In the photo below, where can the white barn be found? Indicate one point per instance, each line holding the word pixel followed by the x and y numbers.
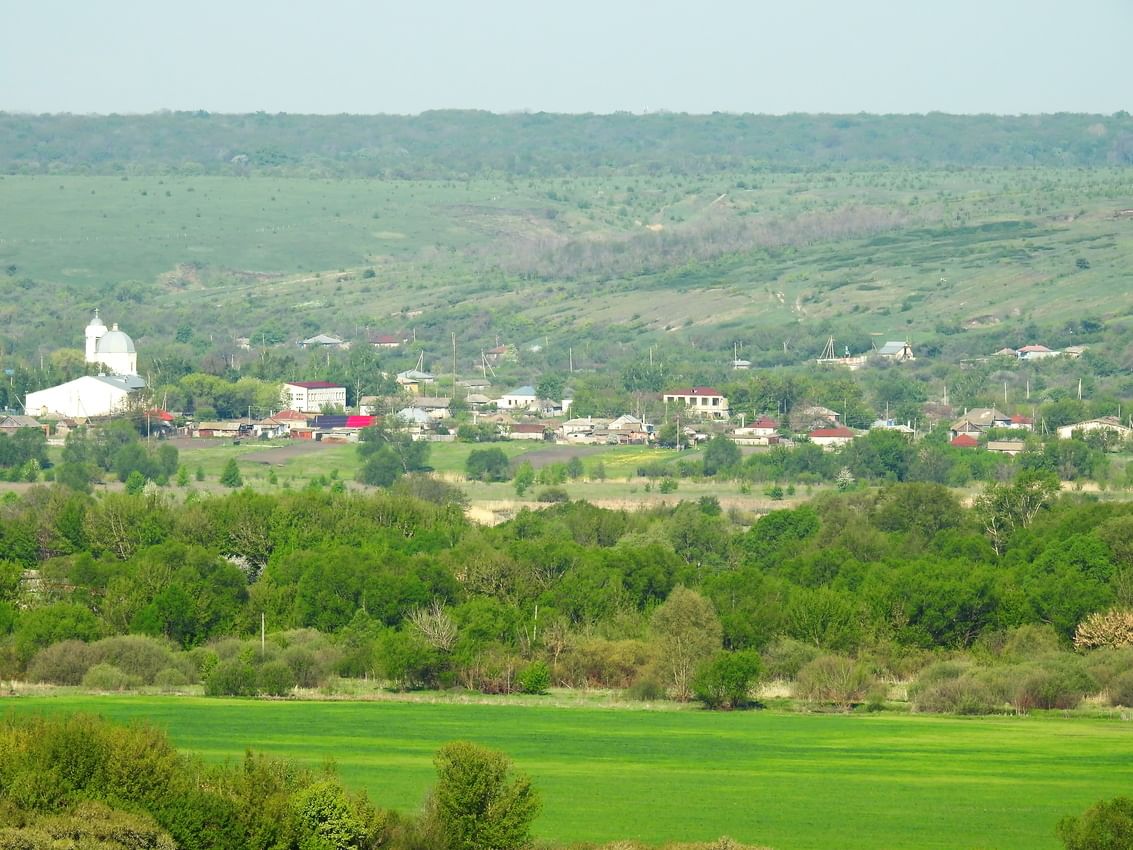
pixel 90 396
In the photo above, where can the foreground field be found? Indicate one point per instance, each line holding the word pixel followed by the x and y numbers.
pixel 790 781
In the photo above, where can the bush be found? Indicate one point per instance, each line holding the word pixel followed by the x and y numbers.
pixel 725 681
pixel 487 465
pixel 1107 825
pixel 1111 628
pixel 275 679
pixel 135 655
pixel 646 689
pixel 1054 684
pixel 1121 690
pixel 170 679
pixel 786 657
pixel 960 695
pixel 231 678
pixel 551 495
pixel 63 663
pixel 535 678
pixel 834 679
pixel 107 677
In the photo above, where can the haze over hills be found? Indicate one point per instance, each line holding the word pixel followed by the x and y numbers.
pixel 603 234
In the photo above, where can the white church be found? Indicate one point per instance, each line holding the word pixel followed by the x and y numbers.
pixel 95 395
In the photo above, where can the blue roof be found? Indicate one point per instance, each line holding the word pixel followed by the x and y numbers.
pixel 524 390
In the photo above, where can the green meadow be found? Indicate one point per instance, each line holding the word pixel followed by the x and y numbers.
pixel 789 781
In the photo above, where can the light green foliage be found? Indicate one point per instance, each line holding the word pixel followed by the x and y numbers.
pixel 479 802
pixel 524 477
pixel 535 678
pixel 726 680
pixel 687 632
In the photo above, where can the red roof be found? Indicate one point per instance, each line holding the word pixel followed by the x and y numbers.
pixel 315 385
pixel 964 441
pixel 386 339
pixel 832 432
pixel 765 422
pixel 1019 419
pixel 361 421
pixel 290 416
pixel 163 415
pixel 1034 348
pixel 528 428
pixel 697 391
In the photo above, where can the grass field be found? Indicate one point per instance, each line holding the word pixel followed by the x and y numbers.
pixel 790 781
pixel 886 252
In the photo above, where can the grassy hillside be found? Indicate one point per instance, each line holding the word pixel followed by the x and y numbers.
pixel 790 781
pixel 761 259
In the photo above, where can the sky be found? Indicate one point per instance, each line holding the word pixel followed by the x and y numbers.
pixel 698 56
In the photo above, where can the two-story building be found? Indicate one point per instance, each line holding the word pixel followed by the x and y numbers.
pixel 704 402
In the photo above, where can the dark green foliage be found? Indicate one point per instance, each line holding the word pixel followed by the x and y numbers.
pixel 232 678
pixel 1107 825
pixel 479 802
pixel 551 495
pixel 720 453
pixel 487 465
pixel 230 475
pixel 725 681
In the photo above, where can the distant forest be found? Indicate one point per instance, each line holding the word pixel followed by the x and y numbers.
pixel 454 144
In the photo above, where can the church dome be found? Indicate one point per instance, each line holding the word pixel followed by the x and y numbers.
pixel 96 324
pixel 115 341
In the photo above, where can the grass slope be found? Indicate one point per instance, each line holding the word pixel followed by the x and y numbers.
pixel 787 780
pixel 730 255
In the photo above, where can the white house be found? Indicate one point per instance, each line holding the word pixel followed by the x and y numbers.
pixel 1036 352
pixel 522 398
pixel 899 351
pixel 703 401
pixel 1102 423
pixel 831 438
pixel 312 396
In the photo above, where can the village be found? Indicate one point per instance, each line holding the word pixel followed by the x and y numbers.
pixel 473 410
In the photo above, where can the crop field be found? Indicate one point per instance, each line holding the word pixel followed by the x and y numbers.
pixel 789 781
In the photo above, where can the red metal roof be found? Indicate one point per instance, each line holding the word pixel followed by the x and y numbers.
pixel 290 416
pixel 315 385
pixel 831 432
pixel 697 391
pixel 964 441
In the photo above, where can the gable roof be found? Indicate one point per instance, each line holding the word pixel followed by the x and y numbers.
pixel 695 391
pixel 964 441
pixel 831 432
pixel 525 390
pixel 314 385
pixel 893 347
pixel 322 339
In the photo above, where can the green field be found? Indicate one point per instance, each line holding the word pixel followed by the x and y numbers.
pixel 790 781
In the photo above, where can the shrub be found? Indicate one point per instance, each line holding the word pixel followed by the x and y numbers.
pixel 834 679
pixel 234 678
pixel 170 679
pixel 535 678
pixel 552 495
pixel 1054 684
pixel 63 663
pixel 1030 641
pixel 107 677
pixel 307 669
pixel 724 682
pixel 668 485
pixel 1121 690
pixel 960 695
pixel 135 655
pixel 1107 825
pixel 646 689
pixel 275 679
pixel 786 657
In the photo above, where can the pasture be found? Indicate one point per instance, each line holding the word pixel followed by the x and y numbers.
pixel 789 781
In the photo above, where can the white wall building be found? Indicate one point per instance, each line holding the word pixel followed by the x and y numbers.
pixel 703 401
pixel 111 348
pixel 313 396
pixel 90 396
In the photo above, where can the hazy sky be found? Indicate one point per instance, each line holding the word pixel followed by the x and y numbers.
pixel 1002 56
